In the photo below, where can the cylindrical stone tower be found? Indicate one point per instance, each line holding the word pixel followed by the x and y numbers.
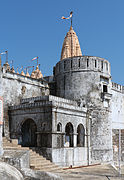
pixel 87 79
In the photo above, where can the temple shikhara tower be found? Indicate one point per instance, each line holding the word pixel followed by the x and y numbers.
pixel 71 46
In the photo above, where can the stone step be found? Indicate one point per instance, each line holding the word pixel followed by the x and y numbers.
pixel 15 141
pixel 35 155
pixel 49 169
pixel 41 163
pixel 37 161
pixel 15 148
pixel 40 159
pixel 48 166
pixel 11 145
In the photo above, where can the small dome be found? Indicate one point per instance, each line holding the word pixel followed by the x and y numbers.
pixel 27 74
pixel 12 70
pixel 37 74
pixel 7 66
pixel 22 73
pixel 71 46
pixel 32 74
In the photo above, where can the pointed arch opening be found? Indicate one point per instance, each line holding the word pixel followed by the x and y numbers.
pixel 80 136
pixel 69 135
pixel 59 127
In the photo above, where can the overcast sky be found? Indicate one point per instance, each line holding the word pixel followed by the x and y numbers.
pixel 32 28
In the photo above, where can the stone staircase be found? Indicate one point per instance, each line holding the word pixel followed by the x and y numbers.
pixel 37 162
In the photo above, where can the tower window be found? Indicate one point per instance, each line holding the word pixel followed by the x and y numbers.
pixel 104 88
pixel 95 64
pixel 87 62
pixel 102 65
pixel 79 63
pixel 64 65
pixel 64 82
pixel 71 64
pixel 107 66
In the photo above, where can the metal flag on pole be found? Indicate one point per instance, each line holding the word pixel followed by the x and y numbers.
pixel 5 52
pixel 35 58
pixel 70 17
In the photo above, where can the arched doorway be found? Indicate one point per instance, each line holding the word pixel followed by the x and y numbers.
pixel 29 137
pixel 80 136
pixel 69 135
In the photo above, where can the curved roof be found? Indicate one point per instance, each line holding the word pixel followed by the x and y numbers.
pixel 71 46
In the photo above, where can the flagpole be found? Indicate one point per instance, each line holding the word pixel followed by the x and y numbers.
pixel 71 21
pixel 37 60
pixel 6 56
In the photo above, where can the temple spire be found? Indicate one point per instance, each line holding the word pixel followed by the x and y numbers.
pixel 71 46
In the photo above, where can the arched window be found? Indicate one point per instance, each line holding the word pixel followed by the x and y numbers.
pixel 69 135
pixel 80 136
pixel 59 127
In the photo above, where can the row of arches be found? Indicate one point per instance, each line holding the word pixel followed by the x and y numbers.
pixel 29 135
pixel 69 134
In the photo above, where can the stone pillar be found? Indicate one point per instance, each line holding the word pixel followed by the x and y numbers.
pixel 38 139
pixel 75 140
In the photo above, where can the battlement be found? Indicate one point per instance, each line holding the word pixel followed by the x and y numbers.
pixel 117 87
pixel 83 63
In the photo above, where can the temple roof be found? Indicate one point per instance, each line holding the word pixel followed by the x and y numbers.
pixel 71 46
pixel 36 74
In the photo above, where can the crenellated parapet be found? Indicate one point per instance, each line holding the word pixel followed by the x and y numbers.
pixel 83 63
pixel 117 87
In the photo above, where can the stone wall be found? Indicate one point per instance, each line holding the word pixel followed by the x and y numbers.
pixel 117 114
pixel 117 108
pixel 67 157
pixel 101 136
pixel 115 134
pixel 15 87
